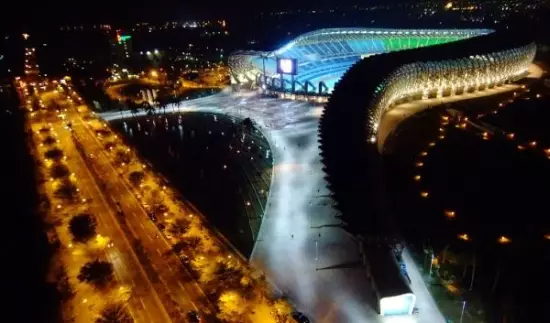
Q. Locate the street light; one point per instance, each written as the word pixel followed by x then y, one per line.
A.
pixel 450 214
pixel 464 237
pixel 462 311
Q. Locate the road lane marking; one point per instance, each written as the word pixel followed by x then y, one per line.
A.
pixel 145 310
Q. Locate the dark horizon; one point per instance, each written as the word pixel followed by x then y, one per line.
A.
pixel 44 15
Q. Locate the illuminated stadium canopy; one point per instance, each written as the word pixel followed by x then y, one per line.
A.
pixel 323 56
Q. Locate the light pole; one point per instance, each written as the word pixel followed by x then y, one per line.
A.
pixel 264 57
pixel 462 311
pixel 431 262
pixel 473 273
pixel 316 254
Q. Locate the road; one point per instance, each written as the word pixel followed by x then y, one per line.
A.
pixel 172 281
pixel 144 303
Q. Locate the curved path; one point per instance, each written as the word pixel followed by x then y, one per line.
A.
pixel 303 249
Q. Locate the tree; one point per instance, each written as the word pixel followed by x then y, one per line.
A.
pixel 180 226
pixel 67 191
pixel 187 244
pixel 49 140
pixel 83 227
pixel 133 107
pixel 54 153
pixel 122 157
pixel 148 108
pixel 115 313
pixel 163 99
pixel 59 171
pixel 136 177
pixel 248 125
pixel 233 307
pixel 228 276
pixel 282 309
pixel 98 273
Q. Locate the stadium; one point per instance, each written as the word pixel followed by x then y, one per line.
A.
pixel 311 64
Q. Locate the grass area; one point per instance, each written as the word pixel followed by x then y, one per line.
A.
pixel 215 162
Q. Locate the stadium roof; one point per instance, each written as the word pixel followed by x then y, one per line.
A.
pixel 366 34
pixel 327 53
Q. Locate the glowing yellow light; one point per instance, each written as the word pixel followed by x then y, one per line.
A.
pixel 450 214
pixel 419 164
pixel 417 178
pixel 464 236
pixel 424 194
pixel 504 240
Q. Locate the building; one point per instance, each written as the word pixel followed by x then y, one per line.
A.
pixel 312 63
pixel 121 49
pixel 389 281
pixel 32 69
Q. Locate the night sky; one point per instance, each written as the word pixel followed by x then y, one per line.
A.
pixel 55 13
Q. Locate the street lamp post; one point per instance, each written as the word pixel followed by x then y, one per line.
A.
pixel 316 254
pixel 473 273
pixel 462 311
pixel 264 76
pixel 431 262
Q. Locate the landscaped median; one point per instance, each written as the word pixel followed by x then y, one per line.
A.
pixel 238 293
pixel 79 270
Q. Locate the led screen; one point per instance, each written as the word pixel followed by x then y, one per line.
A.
pixel 286 66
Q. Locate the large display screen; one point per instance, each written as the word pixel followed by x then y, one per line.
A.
pixel 286 66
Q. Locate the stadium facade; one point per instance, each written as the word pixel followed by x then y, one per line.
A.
pixel 318 59
pixel 351 120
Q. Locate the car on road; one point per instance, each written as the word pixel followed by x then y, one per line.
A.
pixel 299 317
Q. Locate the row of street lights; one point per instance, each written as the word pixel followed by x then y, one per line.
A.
pixel 444 122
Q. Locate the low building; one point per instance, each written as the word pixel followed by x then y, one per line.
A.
pixel 389 281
